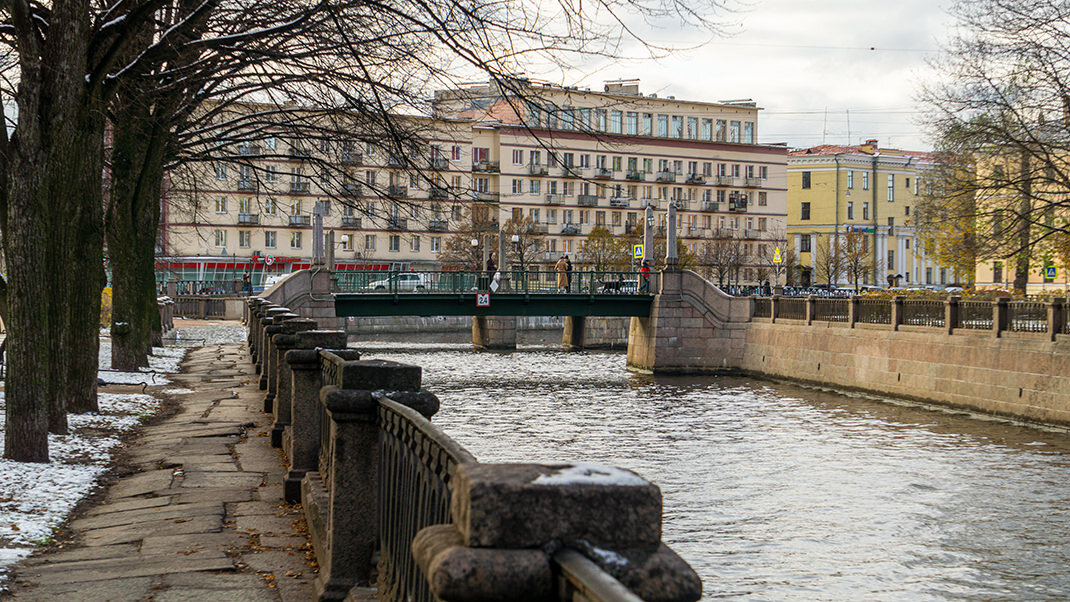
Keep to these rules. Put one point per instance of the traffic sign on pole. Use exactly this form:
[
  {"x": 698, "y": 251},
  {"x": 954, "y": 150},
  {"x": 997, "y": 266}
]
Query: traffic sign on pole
[
  {"x": 777, "y": 258},
  {"x": 482, "y": 299},
  {"x": 637, "y": 251},
  {"x": 1049, "y": 272}
]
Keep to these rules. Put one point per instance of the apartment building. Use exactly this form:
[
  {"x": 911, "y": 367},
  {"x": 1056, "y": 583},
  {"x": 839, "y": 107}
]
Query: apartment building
[
  {"x": 833, "y": 190},
  {"x": 569, "y": 159}
]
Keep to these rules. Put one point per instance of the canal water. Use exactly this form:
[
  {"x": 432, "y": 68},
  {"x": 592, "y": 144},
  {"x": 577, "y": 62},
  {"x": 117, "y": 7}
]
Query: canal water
[{"x": 779, "y": 492}]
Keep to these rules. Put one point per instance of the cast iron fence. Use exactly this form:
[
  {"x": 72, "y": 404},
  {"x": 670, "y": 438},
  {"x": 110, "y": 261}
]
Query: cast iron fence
[
  {"x": 923, "y": 312},
  {"x": 831, "y": 310},
  {"x": 502, "y": 281},
  {"x": 874, "y": 311},
  {"x": 791, "y": 309},
  {"x": 975, "y": 315},
  {"x": 1027, "y": 316}
]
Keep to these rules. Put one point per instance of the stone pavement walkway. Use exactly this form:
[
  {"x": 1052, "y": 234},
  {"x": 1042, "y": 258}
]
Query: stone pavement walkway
[{"x": 202, "y": 519}]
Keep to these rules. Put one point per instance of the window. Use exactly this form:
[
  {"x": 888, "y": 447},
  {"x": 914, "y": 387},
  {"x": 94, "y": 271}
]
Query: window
[
  {"x": 568, "y": 159},
  {"x": 906, "y": 211},
  {"x": 295, "y": 240},
  {"x": 735, "y": 171},
  {"x": 480, "y": 155},
  {"x": 481, "y": 184},
  {"x": 245, "y": 205},
  {"x": 865, "y": 211},
  {"x": 891, "y": 260},
  {"x": 707, "y": 169},
  {"x": 585, "y": 161},
  {"x": 518, "y": 157},
  {"x": 850, "y": 179},
  {"x": 585, "y": 216},
  {"x": 663, "y": 126},
  {"x": 455, "y": 153},
  {"x": 269, "y": 143},
  {"x": 436, "y": 244},
  {"x": 692, "y": 128},
  {"x": 600, "y": 218},
  {"x": 733, "y": 131},
  {"x": 323, "y": 208},
  {"x": 721, "y": 131},
  {"x": 850, "y": 210},
  {"x": 347, "y": 242},
  {"x": 369, "y": 242},
  {"x": 245, "y": 239},
  {"x": 804, "y": 211},
  {"x": 805, "y": 180},
  {"x": 750, "y": 172},
  {"x": 763, "y": 172},
  {"x": 414, "y": 243},
  {"x": 395, "y": 242},
  {"x": 220, "y": 238},
  {"x": 616, "y": 163},
  {"x": 762, "y": 223},
  {"x": 600, "y": 120},
  {"x": 518, "y": 186},
  {"x": 632, "y": 123},
  {"x": 533, "y": 186},
  {"x": 748, "y": 132},
  {"x": 916, "y": 183},
  {"x": 295, "y": 208},
  {"x": 221, "y": 171},
  {"x": 271, "y": 174},
  {"x": 677, "y": 126},
  {"x": 762, "y": 199},
  {"x": 891, "y": 188},
  {"x": 568, "y": 118},
  {"x": 865, "y": 180},
  {"x": 221, "y": 204},
  {"x": 269, "y": 240},
  {"x": 997, "y": 272},
  {"x": 271, "y": 207},
  {"x": 648, "y": 124},
  {"x": 804, "y": 243}
]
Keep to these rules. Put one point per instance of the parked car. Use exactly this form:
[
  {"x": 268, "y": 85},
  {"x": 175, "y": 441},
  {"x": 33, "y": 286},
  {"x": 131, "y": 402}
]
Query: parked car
[{"x": 405, "y": 281}]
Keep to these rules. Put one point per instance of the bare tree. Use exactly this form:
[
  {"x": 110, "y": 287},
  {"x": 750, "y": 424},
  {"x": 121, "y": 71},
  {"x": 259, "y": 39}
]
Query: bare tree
[
  {"x": 722, "y": 256},
  {"x": 830, "y": 260},
  {"x": 857, "y": 259},
  {"x": 1000, "y": 112},
  {"x": 524, "y": 251}
]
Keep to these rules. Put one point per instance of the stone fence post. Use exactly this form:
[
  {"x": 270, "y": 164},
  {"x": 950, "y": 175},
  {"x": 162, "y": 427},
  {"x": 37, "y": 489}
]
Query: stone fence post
[
  {"x": 341, "y": 499},
  {"x": 810, "y": 307},
  {"x": 510, "y": 520},
  {"x": 774, "y": 308},
  {"x": 1000, "y": 316},
  {"x": 1056, "y": 317},
  {"x": 951, "y": 313},
  {"x": 269, "y": 373},
  {"x": 897, "y": 311},
  {"x": 266, "y": 316},
  {"x": 172, "y": 287},
  {"x": 853, "y": 310},
  {"x": 279, "y": 407}
]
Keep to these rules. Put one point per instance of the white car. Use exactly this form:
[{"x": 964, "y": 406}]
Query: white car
[{"x": 405, "y": 281}]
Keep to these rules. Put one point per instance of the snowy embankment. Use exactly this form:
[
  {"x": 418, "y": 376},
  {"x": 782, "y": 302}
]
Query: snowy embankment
[{"x": 36, "y": 498}]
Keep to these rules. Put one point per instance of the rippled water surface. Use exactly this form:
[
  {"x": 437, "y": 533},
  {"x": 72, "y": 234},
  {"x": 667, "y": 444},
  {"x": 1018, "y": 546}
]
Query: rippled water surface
[{"x": 777, "y": 492}]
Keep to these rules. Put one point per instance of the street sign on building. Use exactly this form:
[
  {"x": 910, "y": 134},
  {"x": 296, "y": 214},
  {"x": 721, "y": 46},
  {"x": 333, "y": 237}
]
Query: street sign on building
[
  {"x": 482, "y": 299},
  {"x": 270, "y": 259},
  {"x": 637, "y": 251}
]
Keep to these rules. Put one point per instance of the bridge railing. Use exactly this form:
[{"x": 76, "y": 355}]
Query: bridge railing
[
  {"x": 503, "y": 281},
  {"x": 1024, "y": 318},
  {"x": 389, "y": 485}
]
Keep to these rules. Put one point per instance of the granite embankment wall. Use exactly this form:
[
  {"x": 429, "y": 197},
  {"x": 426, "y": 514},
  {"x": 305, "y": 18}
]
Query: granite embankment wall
[
  {"x": 407, "y": 324},
  {"x": 1014, "y": 375}
]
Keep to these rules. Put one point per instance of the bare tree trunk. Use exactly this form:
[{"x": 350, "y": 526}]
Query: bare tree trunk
[{"x": 1025, "y": 207}]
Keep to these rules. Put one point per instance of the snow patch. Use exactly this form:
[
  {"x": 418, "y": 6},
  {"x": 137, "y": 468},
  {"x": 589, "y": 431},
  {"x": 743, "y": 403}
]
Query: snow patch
[
  {"x": 607, "y": 556},
  {"x": 177, "y": 391},
  {"x": 590, "y": 474}
]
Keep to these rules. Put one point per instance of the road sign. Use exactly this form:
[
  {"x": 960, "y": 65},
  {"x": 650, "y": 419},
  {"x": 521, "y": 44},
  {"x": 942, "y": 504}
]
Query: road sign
[
  {"x": 637, "y": 251},
  {"x": 776, "y": 255},
  {"x": 270, "y": 259},
  {"x": 482, "y": 299},
  {"x": 1049, "y": 272}
]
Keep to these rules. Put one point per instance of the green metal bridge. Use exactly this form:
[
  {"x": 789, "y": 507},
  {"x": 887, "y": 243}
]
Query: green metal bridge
[{"x": 504, "y": 293}]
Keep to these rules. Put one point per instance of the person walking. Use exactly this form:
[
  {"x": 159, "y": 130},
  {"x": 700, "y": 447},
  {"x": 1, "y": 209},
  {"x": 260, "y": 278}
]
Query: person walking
[
  {"x": 246, "y": 283},
  {"x": 644, "y": 277},
  {"x": 568, "y": 274},
  {"x": 562, "y": 278}
]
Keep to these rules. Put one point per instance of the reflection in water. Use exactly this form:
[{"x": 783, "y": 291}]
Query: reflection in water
[{"x": 777, "y": 492}]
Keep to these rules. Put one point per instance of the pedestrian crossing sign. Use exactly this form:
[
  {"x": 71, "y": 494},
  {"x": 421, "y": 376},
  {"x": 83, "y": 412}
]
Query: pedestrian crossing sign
[
  {"x": 776, "y": 255},
  {"x": 637, "y": 251},
  {"x": 1049, "y": 272}
]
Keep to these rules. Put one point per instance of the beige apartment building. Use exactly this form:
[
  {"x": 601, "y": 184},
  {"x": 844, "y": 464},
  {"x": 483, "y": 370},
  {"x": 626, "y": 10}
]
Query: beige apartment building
[{"x": 570, "y": 159}]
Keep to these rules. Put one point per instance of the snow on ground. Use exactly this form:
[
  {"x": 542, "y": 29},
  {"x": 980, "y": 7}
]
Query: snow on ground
[
  {"x": 36, "y": 498},
  {"x": 215, "y": 334}
]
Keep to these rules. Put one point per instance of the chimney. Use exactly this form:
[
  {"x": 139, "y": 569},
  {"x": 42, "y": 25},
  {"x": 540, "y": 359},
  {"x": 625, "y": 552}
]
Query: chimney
[{"x": 870, "y": 147}]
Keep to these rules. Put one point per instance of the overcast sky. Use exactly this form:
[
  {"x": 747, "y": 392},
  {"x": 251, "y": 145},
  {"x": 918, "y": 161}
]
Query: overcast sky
[{"x": 799, "y": 59}]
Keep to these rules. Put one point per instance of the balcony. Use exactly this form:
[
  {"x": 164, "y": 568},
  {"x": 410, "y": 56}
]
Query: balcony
[
  {"x": 635, "y": 175},
  {"x": 620, "y": 201},
  {"x": 486, "y": 167},
  {"x": 247, "y": 185},
  {"x": 711, "y": 206},
  {"x": 397, "y": 191},
  {"x": 726, "y": 181},
  {"x": 438, "y": 225},
  {"x": 350, "y": 221},
  {"x": 752, "y": 234},
  {"x": 631, "y": 227},
  {"x": 297, "y": 152},
  {"x": 248, "y": 219},
  {"x": 352, "y": 189},
  {"x": 249, "y": 150},
  {"x": 587, "y": 200},
  {"x": 666, "y": 176},
  {"x": 570, "y": 229},
  {"x": 486, "y": 197},
  {"x": 737, "y": 204},
  {"x": 538, "y": 170},
  {"x": 554, "y": 199},
  {"x": 397, "y": 223},
  {"x": 603, "y": 174},
  {"x": 486, "y": 227},
  {"x": 440, "y": 163},
  {"x": 395, "y": 161},
  {"x": 652, "y": 203},
  {"x": 300, "y": 220},
  {"x": 752, "y": 182},
  {"x": 298, "y": 186},
  {"x": 350, "y": 158},
  {"x": 539, "y": 229},
  {"x": 694, "y": 178},
  {"x": 437, "y": 192}
]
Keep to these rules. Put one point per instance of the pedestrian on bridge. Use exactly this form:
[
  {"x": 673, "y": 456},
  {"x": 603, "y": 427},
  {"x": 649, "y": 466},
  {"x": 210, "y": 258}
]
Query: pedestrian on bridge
[
  {"x": 562, "y": 279},
  {"x": 568, "y": 274}
]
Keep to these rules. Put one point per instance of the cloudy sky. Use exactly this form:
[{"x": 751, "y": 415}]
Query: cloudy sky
[{"x": 838, "y": 71}]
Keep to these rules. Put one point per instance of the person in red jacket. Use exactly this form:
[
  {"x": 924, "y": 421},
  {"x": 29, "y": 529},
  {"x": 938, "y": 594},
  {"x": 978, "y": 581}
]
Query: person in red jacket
[{"x": 644, "y": 277}]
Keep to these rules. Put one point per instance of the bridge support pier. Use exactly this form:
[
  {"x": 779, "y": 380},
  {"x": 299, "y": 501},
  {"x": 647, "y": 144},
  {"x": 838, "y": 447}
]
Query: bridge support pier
[
  {"x": 693, "y": 328},
  {"x": 573, "y": 337},
  {"x": 494, "y": 332},
  {"x": 595, "y": 332}
]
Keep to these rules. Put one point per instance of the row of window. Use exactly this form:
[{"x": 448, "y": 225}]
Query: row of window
[
  {"x": 635, "y": 165},
  {"x": 807, "y": 182},
  {"x": 636, "y": 123},
  {"x": 804, "y": 212}
]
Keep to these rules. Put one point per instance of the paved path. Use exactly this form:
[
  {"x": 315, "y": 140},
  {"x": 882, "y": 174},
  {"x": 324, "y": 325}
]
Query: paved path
[{"x": 202, "y": 519}]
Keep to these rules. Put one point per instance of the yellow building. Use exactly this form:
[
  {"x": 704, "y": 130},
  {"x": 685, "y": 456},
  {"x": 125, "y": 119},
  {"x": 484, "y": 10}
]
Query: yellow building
[
  {"x": 834, "y": 190},
  {"x": 569, "y": 159}
]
